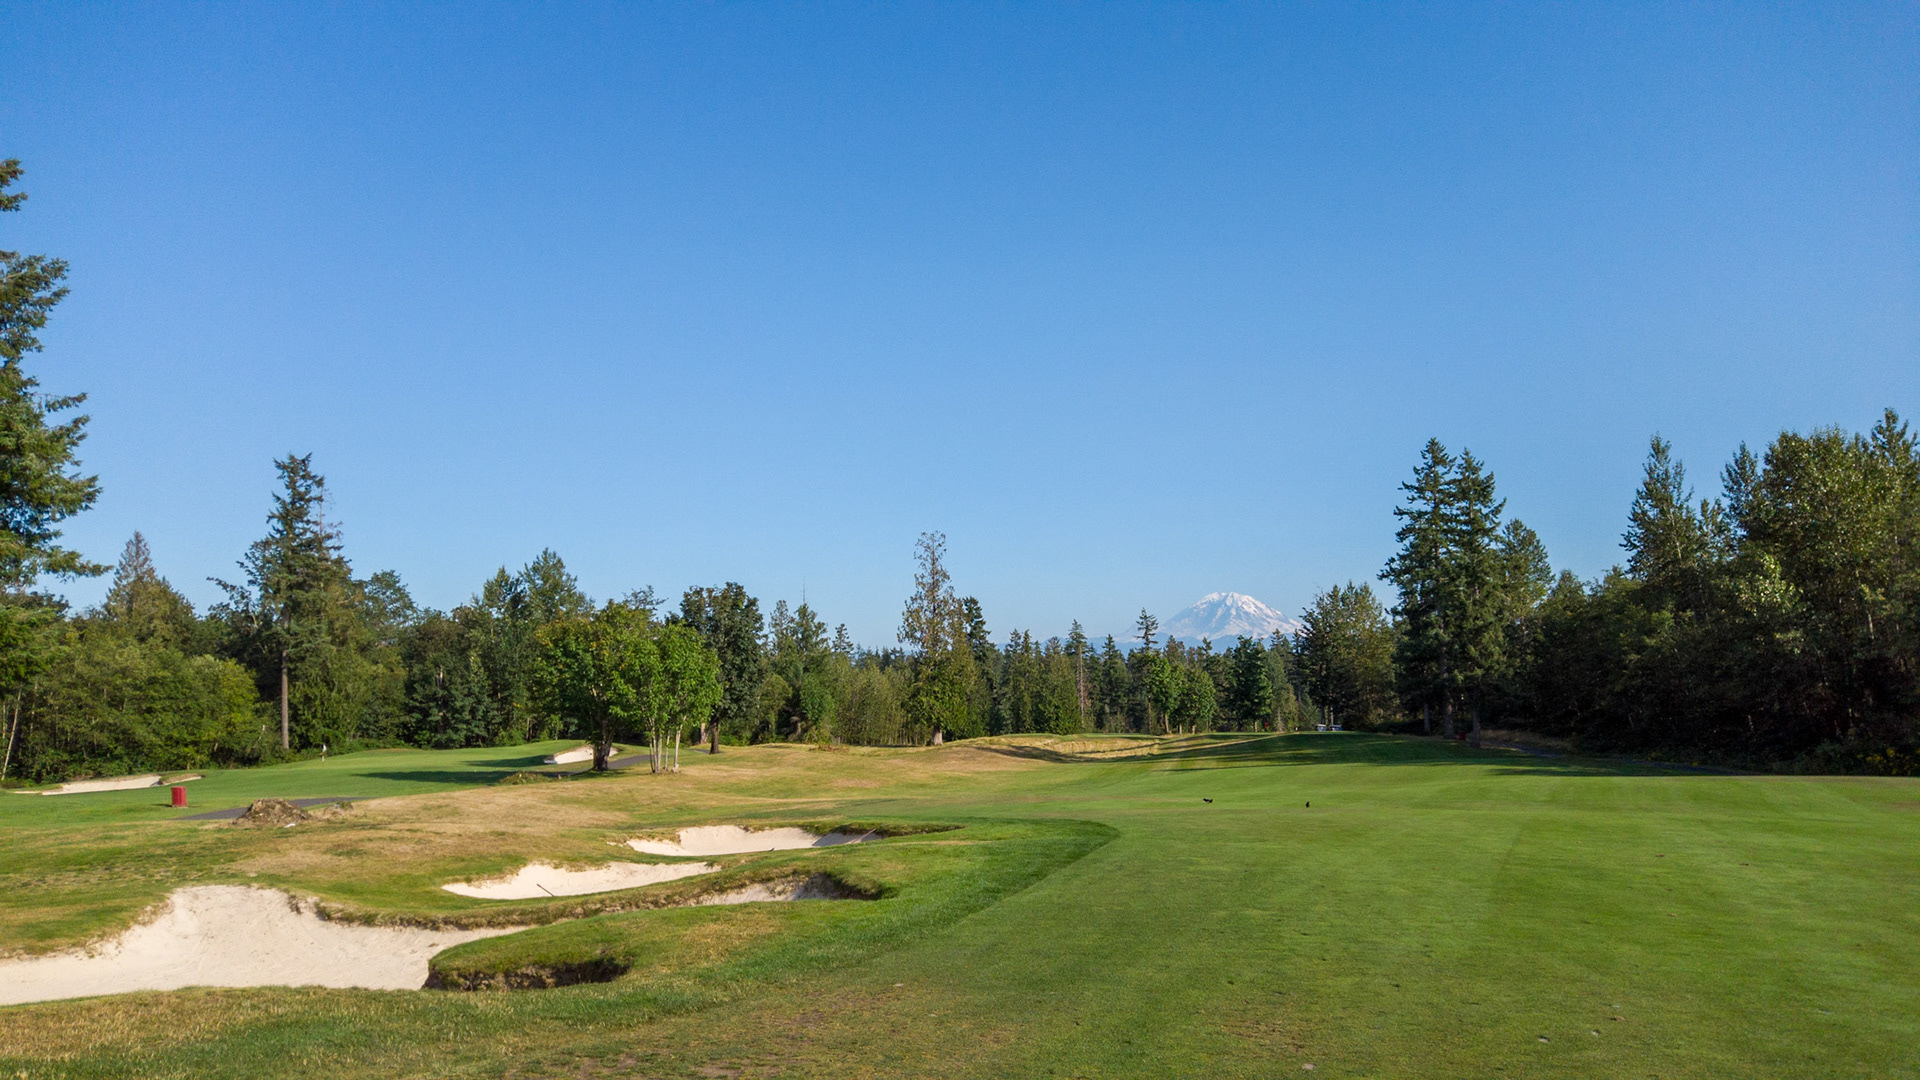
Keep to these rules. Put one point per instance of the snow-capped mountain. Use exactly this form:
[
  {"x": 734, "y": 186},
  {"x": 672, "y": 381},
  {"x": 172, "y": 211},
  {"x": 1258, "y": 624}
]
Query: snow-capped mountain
[{"x": 1224, "y": 616}]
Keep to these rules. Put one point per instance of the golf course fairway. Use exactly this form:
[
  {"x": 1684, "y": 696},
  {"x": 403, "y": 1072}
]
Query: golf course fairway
[{"x": 1346, "y": 905}]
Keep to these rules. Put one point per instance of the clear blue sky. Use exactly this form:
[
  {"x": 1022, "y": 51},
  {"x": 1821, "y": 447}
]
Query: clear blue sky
[{"x": 1136, "y": 302}]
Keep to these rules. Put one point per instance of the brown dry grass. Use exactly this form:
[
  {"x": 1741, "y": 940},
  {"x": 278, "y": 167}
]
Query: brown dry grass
[{"x": 383, "y": 860}]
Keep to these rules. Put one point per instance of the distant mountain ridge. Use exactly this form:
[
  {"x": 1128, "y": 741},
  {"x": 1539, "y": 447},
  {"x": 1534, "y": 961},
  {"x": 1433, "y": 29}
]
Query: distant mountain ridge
[{"x": 1223, "y": 616}]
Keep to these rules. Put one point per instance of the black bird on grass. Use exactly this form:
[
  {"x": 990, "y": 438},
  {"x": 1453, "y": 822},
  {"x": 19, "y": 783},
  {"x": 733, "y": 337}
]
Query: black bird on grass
[{"x": 1204, "y": 799}]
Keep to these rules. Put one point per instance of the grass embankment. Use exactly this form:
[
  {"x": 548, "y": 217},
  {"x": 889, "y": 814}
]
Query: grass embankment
[{"x": 1435, "y": 912}]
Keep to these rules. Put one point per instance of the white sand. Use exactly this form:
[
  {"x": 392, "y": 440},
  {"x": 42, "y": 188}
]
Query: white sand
[
  {"x": 114, "y": 783},
  {"x": 231, "y": 935},
  {"x": 578, "y": 753},
  {"x": 702, "y": 840},
  {"x": 539, "y": 879}
]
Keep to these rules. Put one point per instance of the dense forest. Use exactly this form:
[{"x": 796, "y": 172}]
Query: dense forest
[{"x": 1775, "y": 625}]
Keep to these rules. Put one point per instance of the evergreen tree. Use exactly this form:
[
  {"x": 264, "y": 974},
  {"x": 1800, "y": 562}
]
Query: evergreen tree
[
  {"x": 287, "y": 617},
  {"x": 141, "y": 602},
  {"x": 1145, "y": 627},
  {"x": 1424, "y": 655},
  {"x": 1078, "y": 650},
  {"x": 1478, "y": 602},
  {"x": 1250, "y": 702},
  {"x": 1671, "y": 543},
  {"x": 1345, "y": 648},
  {"x": 40, "y": 483},
  {"x": 1162, "y": 683},
  {"x": 934, "y": 627},
  {"x": 729, "y": 621},
  {"x": 813, "y": 674}
]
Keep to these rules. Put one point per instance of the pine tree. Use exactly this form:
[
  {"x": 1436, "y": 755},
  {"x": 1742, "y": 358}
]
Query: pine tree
[
  {"x": 1424, "y": 654},
  {"x": 288, "y": 615},
  {"x": 934, "y": 626},
  {"x": 40, "y": 485},
  {"x": 142, "y": 602},
  {"x": 1479, "y": 602},
  {"x": 1144, "y": 628},
  {"x": 1077, "y": 650},
  {"x": 1250, "y": 697},
  {"x": 1454, "y": 574},
  {"x": 728, "y": 620},
  {"x": 1670, "y": 543}
]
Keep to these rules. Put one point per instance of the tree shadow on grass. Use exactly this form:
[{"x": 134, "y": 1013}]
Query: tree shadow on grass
[{"x": 1356, "y": 748}]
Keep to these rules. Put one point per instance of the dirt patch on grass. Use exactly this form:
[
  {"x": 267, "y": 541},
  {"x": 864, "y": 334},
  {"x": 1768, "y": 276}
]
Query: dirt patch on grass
[
  {"x": 280, "y": 814},
  {"x": 530, "y": 977}
]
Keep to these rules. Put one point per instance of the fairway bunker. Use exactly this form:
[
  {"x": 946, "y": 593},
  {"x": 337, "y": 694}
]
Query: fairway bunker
[
  {"x": 816, "y": 887},
  {"x": 536, "y": 880},
  {"x": 704, "y": 840},
  {"x": 234, "y": 935},
  {"x": 482, "y": 974}
]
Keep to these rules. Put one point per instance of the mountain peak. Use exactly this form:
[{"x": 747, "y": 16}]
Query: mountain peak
[{"x": 1224, "y": 615}]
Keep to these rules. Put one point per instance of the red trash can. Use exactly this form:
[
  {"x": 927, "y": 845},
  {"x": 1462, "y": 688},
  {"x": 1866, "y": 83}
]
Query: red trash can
[{"x": 179, "y": 796}]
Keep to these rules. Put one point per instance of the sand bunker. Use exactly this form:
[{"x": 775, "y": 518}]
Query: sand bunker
[
  {"x": 702, "y": 840},
  {"x": 232, "y": 935},
  {"x": 578, "y": 753},
  {"x": 817, "y": 887},
  {"x": 540, "y": 880},
  {"x": 112, "y": 783},
  {"x": 115, "y": 783}
]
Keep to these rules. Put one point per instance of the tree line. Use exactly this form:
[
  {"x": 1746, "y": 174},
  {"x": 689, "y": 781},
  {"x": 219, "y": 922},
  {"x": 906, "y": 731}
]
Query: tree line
[{"x": 1776, "y": 624}]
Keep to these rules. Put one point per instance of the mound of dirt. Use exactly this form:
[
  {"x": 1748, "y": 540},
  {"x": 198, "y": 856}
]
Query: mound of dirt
[
  {"x": 526, "y": 776},
  {"x": 272, "y": 813}
]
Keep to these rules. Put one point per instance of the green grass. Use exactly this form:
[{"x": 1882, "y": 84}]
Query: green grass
[
  {"x": 369, "y": 774},
  {"x": 1436, "y": 912}
]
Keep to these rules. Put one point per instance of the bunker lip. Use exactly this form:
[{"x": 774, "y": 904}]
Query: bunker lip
[
  {"x": 234, "y": 935},
  {"x": 537, "y": 880},
  {"x": 604, "y": 968},
  {"x": 706, "y": 840}
]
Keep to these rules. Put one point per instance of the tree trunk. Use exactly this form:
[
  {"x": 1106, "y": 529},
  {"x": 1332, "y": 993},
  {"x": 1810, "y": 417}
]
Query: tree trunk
[
  {"x": 285, "y": 742},
  {"x": 713, "y": 737},
  {"x": 676, "y": 741},
  {"x": 1476, "y": 725},
  {"x": 1426, "y": 718},
  {"x": 603, "y": 747},
  {"x": 1446, "y": 716},
  {"x": 13, "y": 728}
]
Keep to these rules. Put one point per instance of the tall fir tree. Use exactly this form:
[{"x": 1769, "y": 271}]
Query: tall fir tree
[
  {"x": 40, "y": 480},
  {"x": 287, "y": 615},
  {"x": 1424, "y": 653},
  {"x": 729, "y": 621},
  {"x": 934, "y": 626}
]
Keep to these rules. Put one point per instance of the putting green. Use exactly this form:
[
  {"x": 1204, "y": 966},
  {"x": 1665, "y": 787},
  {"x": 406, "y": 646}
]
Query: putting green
[{"x": 1435, "y": 912}]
